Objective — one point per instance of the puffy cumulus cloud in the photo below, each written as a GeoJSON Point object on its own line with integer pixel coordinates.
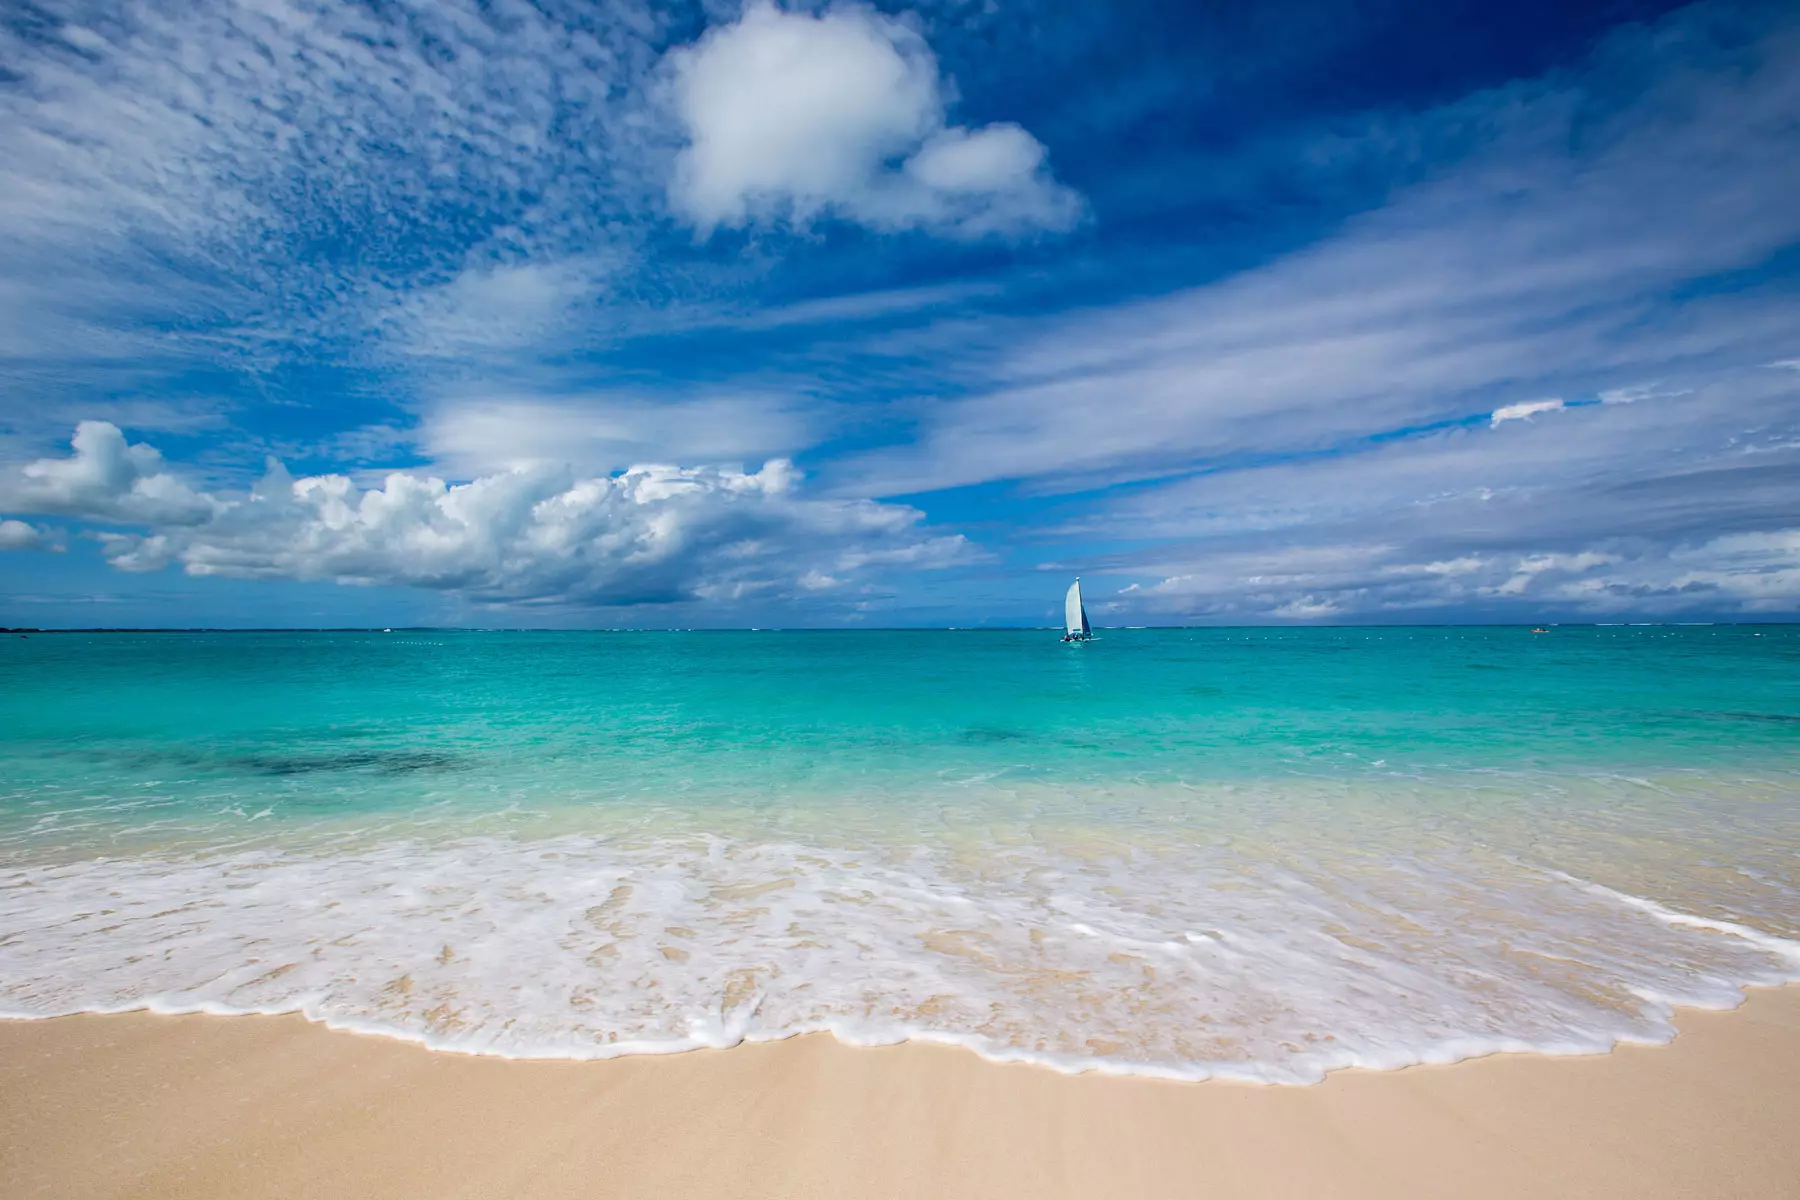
{"type": "Point", "coordinates": [796, 115]}
{"type": "Point", "coordinates": [17, 535]}
{"type": "Point", "coordinates": [652, 534]}
{"type": "Point", "coordinates": [107, 479]}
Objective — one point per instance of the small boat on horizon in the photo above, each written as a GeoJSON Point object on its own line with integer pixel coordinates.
{"type": "Point", "coordinates": [1075, 622]}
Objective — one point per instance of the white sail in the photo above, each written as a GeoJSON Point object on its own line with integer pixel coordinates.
{"type": "Point", "coordinates": [1074, 614]}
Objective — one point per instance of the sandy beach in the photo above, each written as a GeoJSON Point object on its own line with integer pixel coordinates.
{"type": "Point", "coordinates": [148, 1106]}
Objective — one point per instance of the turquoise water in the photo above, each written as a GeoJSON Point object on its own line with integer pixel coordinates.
{"type": "Point", "coordinates": [1262, 853]}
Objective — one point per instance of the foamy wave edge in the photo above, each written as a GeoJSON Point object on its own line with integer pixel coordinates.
{"type": "Point", "coordinates": [1659, 1008]}
{"type": "Point", "coordinates": [1444, 1053]}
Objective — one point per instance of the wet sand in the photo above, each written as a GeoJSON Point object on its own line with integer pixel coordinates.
{"type": "Point", "coordinates": [248, 1107]}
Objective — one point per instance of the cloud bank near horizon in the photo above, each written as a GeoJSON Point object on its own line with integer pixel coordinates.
{"type": "Point", "coordinates": [652, 535]}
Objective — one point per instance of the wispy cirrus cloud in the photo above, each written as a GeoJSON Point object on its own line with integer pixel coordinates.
{"type": "Point", "coordinates": [469, 435]}
{"type": "Point", "coordinates": [243, 190]}
{"type": "Point", "coordinates": [1571, 247]}
{"type": "Point", "coordinates": [248, 136]}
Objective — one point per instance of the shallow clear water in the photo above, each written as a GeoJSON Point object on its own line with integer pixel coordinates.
{"type": "Point", "coordinates": [1260, 853]}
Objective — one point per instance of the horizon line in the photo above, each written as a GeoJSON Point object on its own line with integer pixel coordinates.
{"type": "Point", "coordinates": [30, 629]}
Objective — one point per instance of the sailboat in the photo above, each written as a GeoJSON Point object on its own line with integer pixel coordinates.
{"type": "Point", "coordinates": [1075, 615]}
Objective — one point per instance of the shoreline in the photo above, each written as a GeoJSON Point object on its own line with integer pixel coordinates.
{"type": "Point", "coordinates": [1470, 1049]}
{"type": "Point", "coordinates": [143, 1105]}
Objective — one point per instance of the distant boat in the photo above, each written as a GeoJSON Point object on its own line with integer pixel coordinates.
{"type": "Point", "coordinates": [1075, 615]}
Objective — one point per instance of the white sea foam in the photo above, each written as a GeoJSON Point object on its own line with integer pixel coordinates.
{"type": "Point", "coordinates": [1184, 957]}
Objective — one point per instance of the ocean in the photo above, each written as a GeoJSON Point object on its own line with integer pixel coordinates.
{"type": "Point", "coordinates": [1248, 853]}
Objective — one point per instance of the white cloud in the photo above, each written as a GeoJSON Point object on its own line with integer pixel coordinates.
{"type": "Point", "coordinates": [1306, 609]}
{"type": "Point", "coordinates": [170, 176]}
{"type": "Point", "coordinates": [1526, 571]}
{"type": "Point", "coordinates": [986, 160]}
{"type": "Point", "coordinates": [1760, 570]}
{"type": "Point", "coordinates": [1659, 509]}
{"type": "Point", "coordinates": [1452, 566]}
{"type": "Point", "coordinates": [475, 435]}
{"type": "Point", "coordinates": [1586, 560]}
{"type": "Point", "coordinates": [1632, 393]}
{"type": "Point", "coordinates": [862, 306]}
{"type": "Point", "coordinates": [797, 116]}
{"type": "Point", "coordinates": [494, 307]}
{"type": "Point", "coordinates": [653, 534]}
{"type": "Point", "coordinates": [1728, 575]}
{"type": "Point", "coordinates": [929, 554]}
{"type": "Point", "coordinates": [1524, 410]}
{"type": "Point", "coordinates": [106, 479]}
{"type": "Point", "coordinates": [17, 535]}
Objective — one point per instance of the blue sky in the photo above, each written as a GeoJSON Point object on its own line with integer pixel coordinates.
{"type": "Point", "coordinates": [618, 315]}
